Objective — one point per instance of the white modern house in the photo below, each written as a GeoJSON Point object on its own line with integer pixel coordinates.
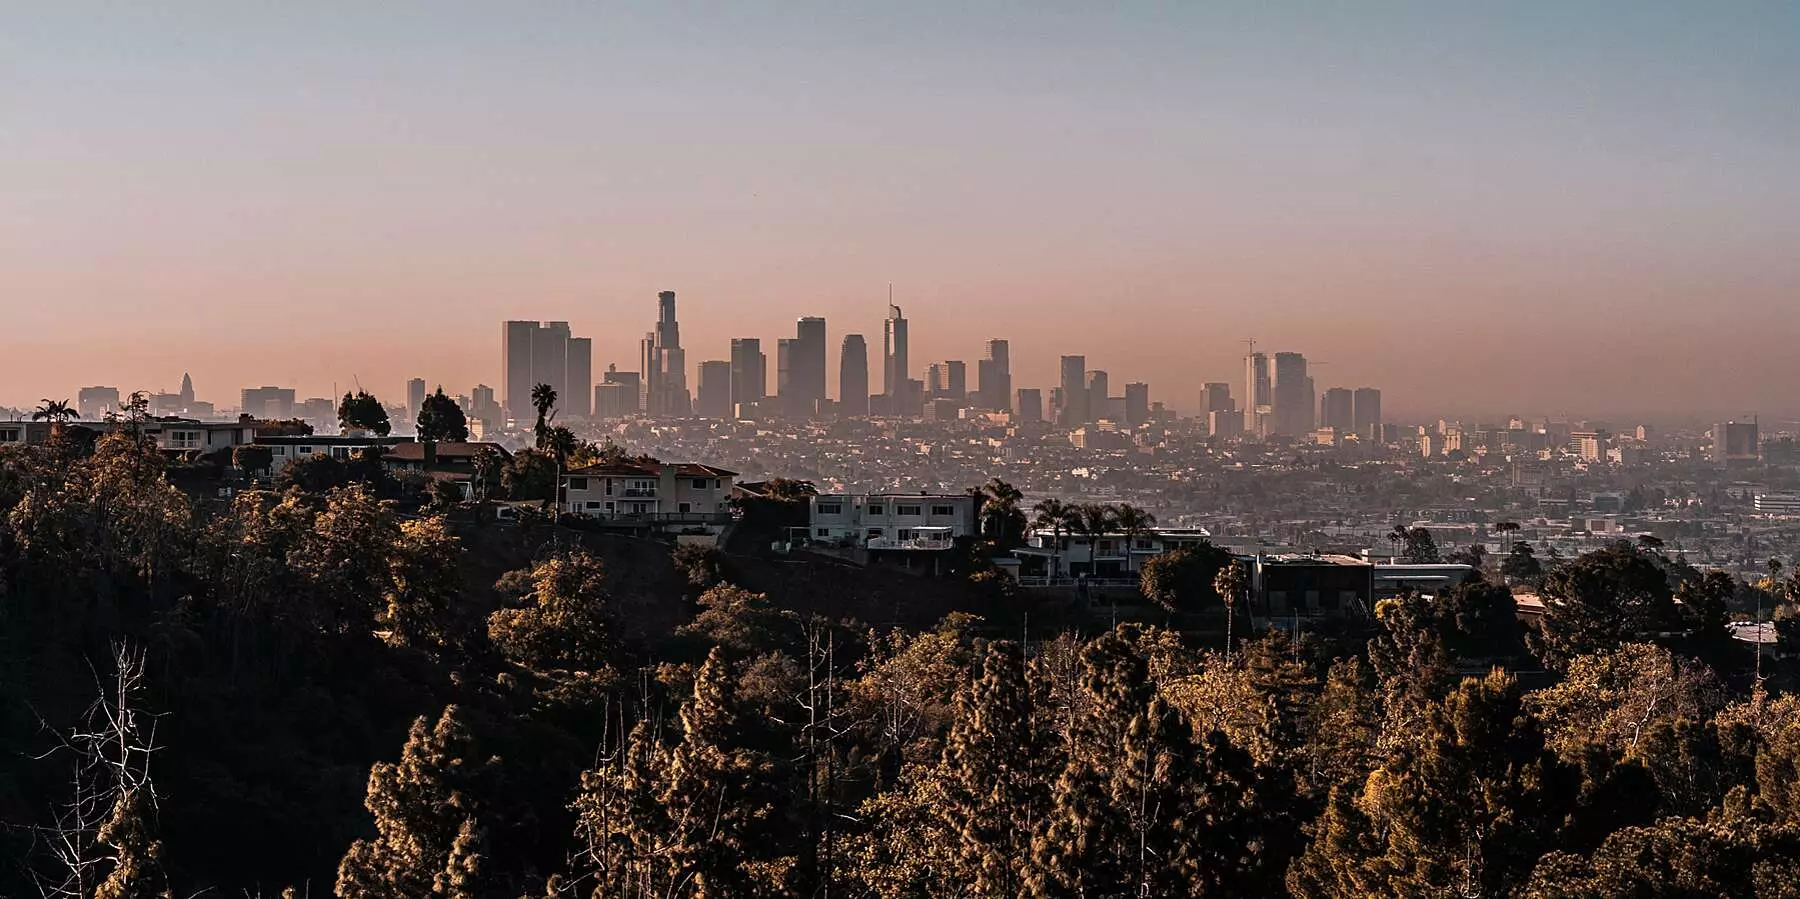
{"type": "Point", "coordinates": [913, 522]}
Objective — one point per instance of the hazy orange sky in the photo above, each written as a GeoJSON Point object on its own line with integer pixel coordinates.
{"type": "Point", "coordinates": [1541, 207]}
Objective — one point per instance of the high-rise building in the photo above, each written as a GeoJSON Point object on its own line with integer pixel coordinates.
{"type": "Point", "coordinates": [1365, 414]}
{"type": "Point", "coordinates": [1099, 392]}
{"type": "Point", "coordinates": [663, 363]}
{"type": "Point", "coordinates": [483, 407]}
{"type": "Point", "coordinates": [749, 378]}
{"type": "Point", "coordinates": [271, 403]}
{"type": "Point", "coordinates": [947, 381]}
{"type": "Point", "coordinates": [415, 396]}
{"type": "Point", "coordinates": [713, 398]}
{"type": "Point", "coordinates": [1215, 396]}
{"type": "Point", "coordinates": [623, 392]}
{"type": "Point", "coordinates": [1736, 443]}
{"type": "Point", "coordinates": [784, 378]}
{"type": "Point", "coordinates": [894, 364]}
{"type": "Point", "coordinates": [853, 377]}
{"type": "Point", "coordinates": [187, 391]}
{"type": "Point", "coordinates": [1225, 424]}
{"type": "Point", "coordinates": [1293, 395]}
{"type": "Point", "coordinates": [898, 397]}
{"type": "Point", "coordinates": [93, 403]}
{"type": "Point", "coordinates": [1137, 403]}
{"type": "Point", "coordinates": [615, 399]}
{"type": "Point", "coordinates": [1259, 394]}
{"type": "Point", "coordinates": [800, 369]}
{"type": "Point", "coordinates": [1074, 409]}
{"type": "Point", "coordinates": [993, 375]}
{"type": "Point", "coordinates": [550, 360]}
{"type": "Point", "coordinates": [1030, 404]}
{"type": "Point", "coordinates": [580, 379]}
{"type": "Point", "coordinates": [516, 341]}
{"type": "Point", "coordinates": [809, 366]}
{"type": "Point", "coordinates": [1337, 410]}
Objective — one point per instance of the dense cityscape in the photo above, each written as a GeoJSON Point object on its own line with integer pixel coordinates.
{"type": "Point", "coordinates": [1097, 451]}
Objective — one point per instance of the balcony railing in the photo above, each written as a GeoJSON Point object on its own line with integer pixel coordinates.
{"type": "Point", "coordinates": [640, 491]}
{"type": "Point", "coordinates": [924, 544]}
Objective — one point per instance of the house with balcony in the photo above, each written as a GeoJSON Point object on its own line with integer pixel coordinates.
{"type": "Point", "coordinates": [909, 530]}
{"type": "Point", "coordinates": [895, 521]}
{"type": "Point", "coordinates": [286, 450]}
{"type": "Point", "coordinates": [172, 435]}
{"type": "Point", "coordinates": [681, 493]}
{"type": "Point", "coordinates": [1048, 557]}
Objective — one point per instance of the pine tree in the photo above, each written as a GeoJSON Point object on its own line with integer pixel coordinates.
{"type": "Point", "coordinates": [994, 777]}
{"type": "Point", "coordinates": [424, 808]}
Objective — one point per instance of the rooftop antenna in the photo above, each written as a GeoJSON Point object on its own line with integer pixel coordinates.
{"type": "Point", "coordinates": [1251, 341]}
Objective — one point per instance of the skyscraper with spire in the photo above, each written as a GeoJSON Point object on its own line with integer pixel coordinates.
{"type": "Point", "coordinates": [663, 365]}
{"type": "Point", "coordinates": [894, 365]}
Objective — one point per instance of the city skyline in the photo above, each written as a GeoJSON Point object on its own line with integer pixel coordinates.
{"type": "Point", "coordinates": [1534, 206]}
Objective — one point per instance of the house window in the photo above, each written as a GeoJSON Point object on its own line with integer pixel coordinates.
{"type": "Point", "coordinates": [699, 483]}
{"type": "Point", "coordinates": [824, 532]}
{"type": "Point", "coordinates": [593, 505]}
{"type": "Point", "coordinates": [874, 533]}
{"type": "Point", "coordinates": [578, 483]}
{"type": "Point", "coordinates": [877, 509]}
{"type": "Point", "coordinates": [9, 435]}
{"type": "Point", "coordinates": [908, 510]}
{"type": "Point", "coordinates": [943, 510]}
{"type": "Point", "coordinates": [609, 486]}
{"type": "Point", "coordinates": [684, 508]}
{"type": "Point", "coordinates": [831, 509]}
{"type": "Point", "coordinates": [306, 451]}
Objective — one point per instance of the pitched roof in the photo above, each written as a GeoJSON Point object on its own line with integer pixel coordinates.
{"type": "Point", "coordinates": [614, 470]}
{"type": "Point", "coordinates": [695, 470]}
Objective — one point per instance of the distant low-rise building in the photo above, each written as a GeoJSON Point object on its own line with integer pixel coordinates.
{"type": "Point", "coordinates": [1778, 503]}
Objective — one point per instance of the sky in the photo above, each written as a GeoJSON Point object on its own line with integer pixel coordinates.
{"type": "Point", "coordinates": [1542, 207]}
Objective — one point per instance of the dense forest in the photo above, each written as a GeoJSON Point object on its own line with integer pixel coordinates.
{"type": "Point", "coordinates": [329, 688]}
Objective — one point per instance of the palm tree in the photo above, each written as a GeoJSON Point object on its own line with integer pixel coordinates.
{"type": "Point", "coordinates": [543, 398]}
{"type": "Point", "coordinates": [56, 412]}
{"type": "Point", "coordinates": [1397, 536]}
{"type": "Point", "coordinates": [1229, 584]}
{"type": "Point", "coordinates": [487, 468]}
{"type": "Point", "coordinates": [1133, 522]}
{"type": "Point", "coordinates": [560, 442]}
{"type": "Point", "coordinates": [1093, 521]}
{"type": "Point", "coordinates": [1000, 515]}
{"type": "Point", "coordinates": [1055, 516]}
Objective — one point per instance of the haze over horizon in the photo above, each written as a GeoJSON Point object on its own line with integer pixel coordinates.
{"type": "Point", "coordinates": [1536, 208]}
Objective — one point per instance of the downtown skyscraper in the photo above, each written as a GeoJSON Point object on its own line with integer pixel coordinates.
{"type": "Point", "coordinates": [896, 383]}
{"type": "Point", "coordinates": [853, 377]}
{"type": "Point", "coordinates": [663, 365]}
{"type": "Point", "coordinates": [749, 378]}
{"type": "Point", "coordinates": [1073, 412]}
{"type": "Point", "coordinates": [1259, 394]}
{"type": "Point", "coordinates": [801, 367]}
{"type": "Point", "coordinates": [533, 353]}
{"type": "Point", "coordinates": [993, 377]}
{"type": "Point", "coordinates": [1294, 408]}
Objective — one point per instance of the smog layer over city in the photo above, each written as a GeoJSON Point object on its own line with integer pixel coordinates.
{"type": "Point", "coordinates": [882, 451]}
